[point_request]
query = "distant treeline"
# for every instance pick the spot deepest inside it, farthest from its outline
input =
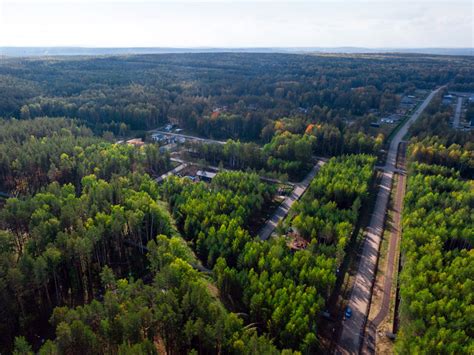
(221, 95)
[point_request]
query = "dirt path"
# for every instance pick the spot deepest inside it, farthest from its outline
(394, 239)
(285, 206)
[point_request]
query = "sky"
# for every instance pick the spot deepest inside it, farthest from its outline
(226, 23)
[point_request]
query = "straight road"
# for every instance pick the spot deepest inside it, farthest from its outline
(353, 328)
(392, 153)
(285, 206)
(395, 234)
(457, 113)
(394, 239)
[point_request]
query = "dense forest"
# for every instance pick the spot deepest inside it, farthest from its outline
(432, 150)
(221, 95)
(68, 246)
(281, 290)
(329, 210)
(78, 239)
(438, 228)
(97, 257)
(177, 313)
(438, 262)
(36, 152)
(289, 153)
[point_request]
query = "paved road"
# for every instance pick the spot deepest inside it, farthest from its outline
(457, 113)
(353, 328)
(285, 206)
(392, 152)
(394, 238)
(396, 170)
(369, 345)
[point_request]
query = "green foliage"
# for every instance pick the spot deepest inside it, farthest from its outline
(176, 313)
(330, 207)
(436, 281)
(75, 238)
(282, 291)
(59, 248)
(432, 150)
(288, 154)
(36, 152)
(248, 90)
(54, 244)
(332, 141)
(215, 217)
(22, 347)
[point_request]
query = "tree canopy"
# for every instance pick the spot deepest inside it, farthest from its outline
(438, 262)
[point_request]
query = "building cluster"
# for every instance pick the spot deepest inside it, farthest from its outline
(447, 99)
(407, 104)
(200, 175)
(391, 119)
(137, 142)
(164, 139)
(460, 101)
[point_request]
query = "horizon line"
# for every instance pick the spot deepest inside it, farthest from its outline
(232, 47)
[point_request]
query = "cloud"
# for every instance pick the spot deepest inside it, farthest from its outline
(226, 23)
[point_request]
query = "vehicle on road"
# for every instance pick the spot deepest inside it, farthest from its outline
(348, 312)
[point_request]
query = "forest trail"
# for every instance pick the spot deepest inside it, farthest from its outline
(285, 206)
(353, 328)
